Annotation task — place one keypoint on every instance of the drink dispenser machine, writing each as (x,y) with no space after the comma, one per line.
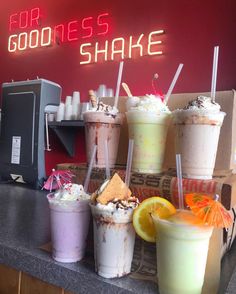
(22,129)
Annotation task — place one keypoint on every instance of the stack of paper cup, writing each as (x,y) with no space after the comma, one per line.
(68,108)
(103,91)
(110,92)
(68,100)
(84,107)
(60,112)
(76,97)
(75,105)
(71,109)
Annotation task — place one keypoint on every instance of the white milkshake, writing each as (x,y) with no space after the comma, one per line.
(197,135)
(114,235)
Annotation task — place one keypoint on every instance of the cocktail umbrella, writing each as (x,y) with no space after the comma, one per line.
(57,179)
(210,210)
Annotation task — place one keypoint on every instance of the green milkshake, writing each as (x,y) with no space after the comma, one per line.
(182,247)
(148,122)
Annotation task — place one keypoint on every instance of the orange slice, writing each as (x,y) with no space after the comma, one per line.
(142,219)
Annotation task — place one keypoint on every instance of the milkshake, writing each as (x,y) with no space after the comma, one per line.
(148,122)
(69,216)
(102,123)
(197,134)
(114,236)
(182,248)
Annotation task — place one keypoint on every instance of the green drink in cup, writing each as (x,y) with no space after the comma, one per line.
(148,124)
(148,120)
(182,248)
(182,239)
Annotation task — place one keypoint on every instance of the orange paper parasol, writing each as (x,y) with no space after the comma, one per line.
(211,211)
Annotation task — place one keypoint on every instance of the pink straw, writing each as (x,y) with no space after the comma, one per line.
(87,179)
(179,181)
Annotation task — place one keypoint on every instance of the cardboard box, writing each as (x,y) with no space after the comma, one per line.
(226,155)
(165,185)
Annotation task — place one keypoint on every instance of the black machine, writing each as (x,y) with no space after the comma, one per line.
(22,129)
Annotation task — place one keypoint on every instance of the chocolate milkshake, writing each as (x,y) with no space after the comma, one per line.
(102,123)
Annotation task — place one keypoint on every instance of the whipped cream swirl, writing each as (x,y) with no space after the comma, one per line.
(203,103)
(151,103)
(69,192)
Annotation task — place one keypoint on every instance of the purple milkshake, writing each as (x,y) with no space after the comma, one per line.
(69,215)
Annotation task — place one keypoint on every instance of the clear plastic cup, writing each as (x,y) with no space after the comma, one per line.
(149,132)
(69,229)
(98,128)
(182,250)
(197,137)
(114,239)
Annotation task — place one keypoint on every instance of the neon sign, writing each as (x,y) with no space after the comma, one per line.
(26,32)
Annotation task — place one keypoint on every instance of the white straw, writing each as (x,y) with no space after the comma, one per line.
(214,72)
(47,134)
(179,181)
(87,179)
(129,162)
(108,174)
(118,83)
(173,83)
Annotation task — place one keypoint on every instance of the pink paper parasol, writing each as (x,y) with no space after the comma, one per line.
(57,179)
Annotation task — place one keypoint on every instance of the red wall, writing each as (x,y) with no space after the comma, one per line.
(192,29)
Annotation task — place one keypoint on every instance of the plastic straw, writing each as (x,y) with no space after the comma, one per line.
(108,174)
(214,72)
(118,83)
(129,162)
(127,89)
(47,134)
(179,181)
(87,179)
(173,83)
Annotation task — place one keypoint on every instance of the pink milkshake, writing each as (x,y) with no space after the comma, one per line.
(69,215)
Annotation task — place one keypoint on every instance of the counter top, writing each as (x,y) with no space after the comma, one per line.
(24,228)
